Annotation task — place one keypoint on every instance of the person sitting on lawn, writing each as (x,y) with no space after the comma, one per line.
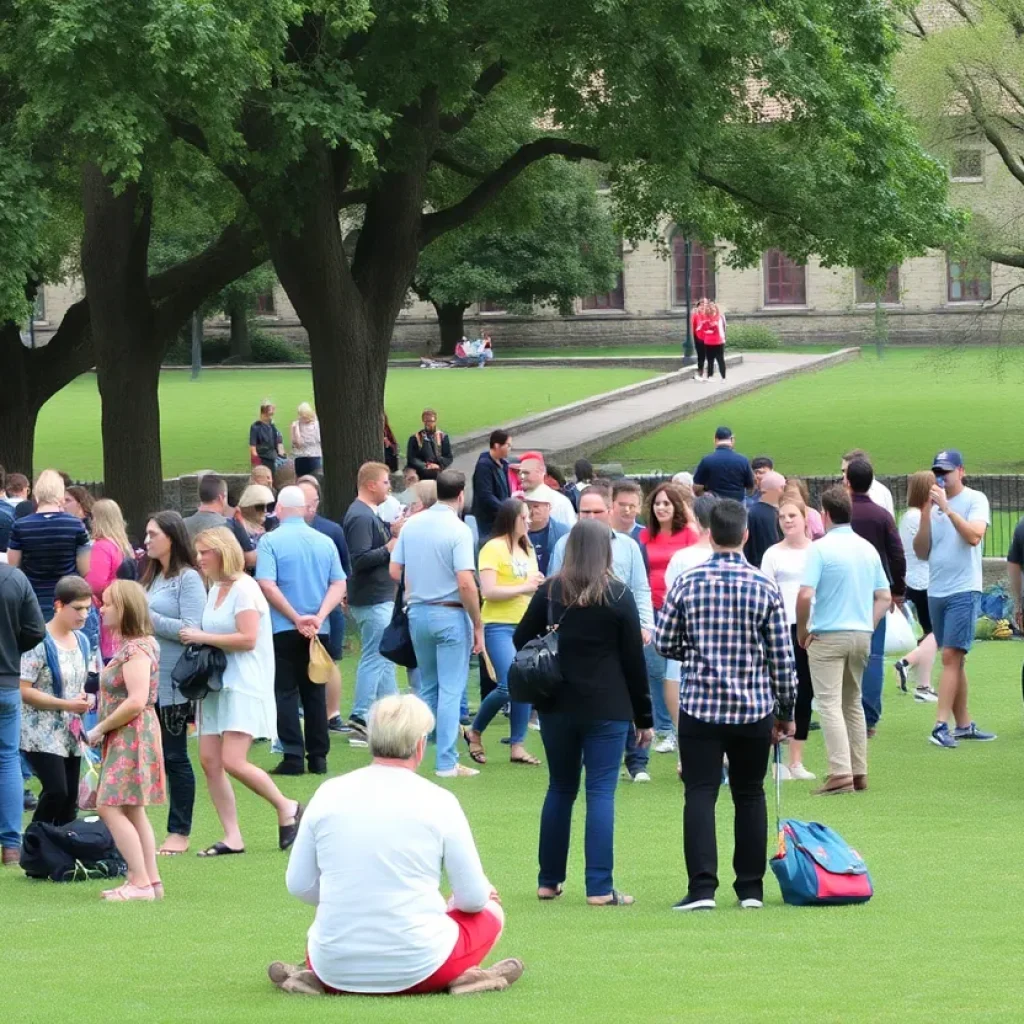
(369,854)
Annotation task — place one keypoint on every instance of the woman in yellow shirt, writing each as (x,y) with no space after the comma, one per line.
(509,576)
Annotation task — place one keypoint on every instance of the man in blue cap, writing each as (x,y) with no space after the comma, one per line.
(951,539)
(724,472)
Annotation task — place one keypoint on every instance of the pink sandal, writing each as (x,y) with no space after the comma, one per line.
(129,892)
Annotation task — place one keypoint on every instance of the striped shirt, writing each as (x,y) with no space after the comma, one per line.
(49,543)
(726,622)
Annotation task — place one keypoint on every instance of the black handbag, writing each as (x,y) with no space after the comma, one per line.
(535,673)
(396,640)
(198,671)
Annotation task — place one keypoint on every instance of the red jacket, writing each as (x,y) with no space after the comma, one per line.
(709,329)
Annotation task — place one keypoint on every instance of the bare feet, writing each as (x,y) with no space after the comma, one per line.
(299,981)
(487,979)
(173,845)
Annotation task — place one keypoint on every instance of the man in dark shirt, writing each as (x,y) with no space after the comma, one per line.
(878,528)
(265,442)
(490,482)
(544,531)
(430,450)
(763,528)
(371,591)
(760,465)
(212,512)
(724,472)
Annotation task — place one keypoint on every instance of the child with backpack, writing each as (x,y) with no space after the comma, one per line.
(54,675)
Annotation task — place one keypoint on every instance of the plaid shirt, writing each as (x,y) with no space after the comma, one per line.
(726,623)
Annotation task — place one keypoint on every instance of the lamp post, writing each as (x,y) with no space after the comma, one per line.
(688,354)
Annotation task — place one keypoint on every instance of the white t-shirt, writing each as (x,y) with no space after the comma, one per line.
(786,567)
(954,566)
(684,560)
(248,672)
(881,495)
(917,570)
(368,856)
(390,509)
(562,510)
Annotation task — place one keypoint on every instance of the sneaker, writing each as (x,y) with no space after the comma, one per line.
(902,671)
(752,904)
(460,771)
(972,732)
(926,695)
(338,724)
(782,772)
(357,726)
(535,724)
(799,773)
(693,904)
(357,741)
(640,777)
(942,737)
(667,745)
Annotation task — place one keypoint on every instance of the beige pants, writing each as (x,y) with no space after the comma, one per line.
(837,663)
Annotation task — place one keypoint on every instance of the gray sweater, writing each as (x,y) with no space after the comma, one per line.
(174,603)
(367,538)
(21,624)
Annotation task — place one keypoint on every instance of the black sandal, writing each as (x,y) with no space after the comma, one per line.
(556,892)
(286,833)
(619,899)
(219,850)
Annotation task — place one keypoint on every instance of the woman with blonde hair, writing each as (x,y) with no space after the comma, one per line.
(306,449)
(112,558)
(49,544)
(237,620)
(254,505)
(132,772)
(798,491)
(922,658)
(713,336)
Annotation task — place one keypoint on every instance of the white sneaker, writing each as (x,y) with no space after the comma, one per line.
(782,773)
(357,741)
(667,745)
(925,695)
(641,777)
(535,724)
(800,773)
(460,771)
(752,904)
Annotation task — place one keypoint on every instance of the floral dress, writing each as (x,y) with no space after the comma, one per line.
(132,773)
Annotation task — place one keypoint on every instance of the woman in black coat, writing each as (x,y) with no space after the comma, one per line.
(604,694)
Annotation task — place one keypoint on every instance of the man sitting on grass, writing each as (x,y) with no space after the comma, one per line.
(369,855)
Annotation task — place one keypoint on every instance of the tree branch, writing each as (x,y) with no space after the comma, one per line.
(490,78)
(984,122)
(757,204)
(1006,259)
(453,163)
(433,225)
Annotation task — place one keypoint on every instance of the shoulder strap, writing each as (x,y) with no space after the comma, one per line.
(84,646)
(53,664)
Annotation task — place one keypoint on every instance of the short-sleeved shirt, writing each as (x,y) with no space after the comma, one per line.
(201,520)
(513,568)
(726,473)
(49,543)
(845,571)
(49,732)
(434,546)
(1016,552)
(303,563)
(954,566)
(265,438)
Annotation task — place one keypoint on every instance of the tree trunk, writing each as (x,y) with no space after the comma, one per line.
(450,321)
(241,343)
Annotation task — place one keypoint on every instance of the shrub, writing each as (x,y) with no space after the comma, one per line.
(752,338)
(273,348)
(266,348)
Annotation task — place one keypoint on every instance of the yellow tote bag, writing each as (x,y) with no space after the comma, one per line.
(321,664)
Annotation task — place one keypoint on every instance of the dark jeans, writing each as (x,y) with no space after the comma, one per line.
(873,678)
(804,690)
(701,350)
(716,353)
(308,465)
(58,802)
(572,744)
(701,746)
(291,685)
(637,757)
(181,780)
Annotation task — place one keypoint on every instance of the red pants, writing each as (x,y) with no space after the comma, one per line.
(478,934)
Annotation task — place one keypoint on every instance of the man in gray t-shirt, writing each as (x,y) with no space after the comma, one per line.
(213,503)
(950,539)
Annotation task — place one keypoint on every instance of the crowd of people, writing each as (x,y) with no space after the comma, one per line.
(709,619)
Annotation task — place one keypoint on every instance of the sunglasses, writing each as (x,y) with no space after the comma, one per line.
(258,508)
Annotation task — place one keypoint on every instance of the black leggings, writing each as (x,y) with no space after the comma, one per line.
(919,599)
(701,354)
(58,802)
(804,689)
(716,353)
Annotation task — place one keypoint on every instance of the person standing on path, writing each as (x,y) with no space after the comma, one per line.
(429,451)
(371,592)
(951,538)
(878,528)
(300,573)
(266,445)
(490,482)
(724,472)
(846,583)
(763,530)
(713,334)
(435,551)
(726,623)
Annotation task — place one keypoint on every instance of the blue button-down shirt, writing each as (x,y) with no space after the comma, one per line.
(303,563)
(433,546)
(845,571)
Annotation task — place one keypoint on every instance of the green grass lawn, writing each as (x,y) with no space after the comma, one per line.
(205,423)
(901,409)
(939,830)
(639,349)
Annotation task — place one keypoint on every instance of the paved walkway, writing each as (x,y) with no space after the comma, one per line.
(581,434)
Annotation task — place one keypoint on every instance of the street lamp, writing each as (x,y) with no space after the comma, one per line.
(688,354)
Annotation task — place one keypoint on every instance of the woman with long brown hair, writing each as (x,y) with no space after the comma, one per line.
(604,693)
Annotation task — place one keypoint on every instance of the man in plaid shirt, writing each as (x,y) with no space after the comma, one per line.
(725,621)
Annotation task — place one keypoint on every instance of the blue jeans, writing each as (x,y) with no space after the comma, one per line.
(637,757)
(443,640)
(11,784)
(375,675)
(572,744)
(656,678)
(498,637)
(874,677)
(413,675)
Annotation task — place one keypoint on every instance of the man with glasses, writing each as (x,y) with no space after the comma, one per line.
(212,512)
(951,539)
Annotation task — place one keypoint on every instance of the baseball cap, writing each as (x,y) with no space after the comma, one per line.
(543,495)
(947,460)
(723,434)
(291,497)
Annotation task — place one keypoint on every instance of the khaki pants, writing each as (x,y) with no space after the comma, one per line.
(837,663)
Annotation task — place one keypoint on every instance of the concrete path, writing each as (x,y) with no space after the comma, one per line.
(579,434)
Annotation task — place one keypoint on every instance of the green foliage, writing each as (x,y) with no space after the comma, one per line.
(266,348)
(753,338)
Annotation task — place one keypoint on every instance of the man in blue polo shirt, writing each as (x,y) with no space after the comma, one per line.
(724,473)
(299,571)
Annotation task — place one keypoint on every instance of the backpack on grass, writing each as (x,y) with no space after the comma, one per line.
(81,850)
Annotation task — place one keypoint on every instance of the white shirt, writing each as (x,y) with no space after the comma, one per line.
(562,510)
(786,567)
(684,560)
(368,856)
(389,509)
(248,672)
(881,495)
(917,570)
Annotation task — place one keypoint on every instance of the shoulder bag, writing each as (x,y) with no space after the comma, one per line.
(198,671)
(535,673)
(396,640)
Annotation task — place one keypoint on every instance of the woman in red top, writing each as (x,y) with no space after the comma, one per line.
(697,319)
(669,527)
(713,335)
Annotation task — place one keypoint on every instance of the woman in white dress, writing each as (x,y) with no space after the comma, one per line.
(237,620)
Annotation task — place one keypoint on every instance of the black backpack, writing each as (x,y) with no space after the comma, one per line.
(80,850)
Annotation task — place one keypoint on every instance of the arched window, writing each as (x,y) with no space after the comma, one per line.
(785,281)
(702,271)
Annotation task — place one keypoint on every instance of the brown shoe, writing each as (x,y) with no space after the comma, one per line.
(835,784)
(860,783)
(11,856)
(871,732)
